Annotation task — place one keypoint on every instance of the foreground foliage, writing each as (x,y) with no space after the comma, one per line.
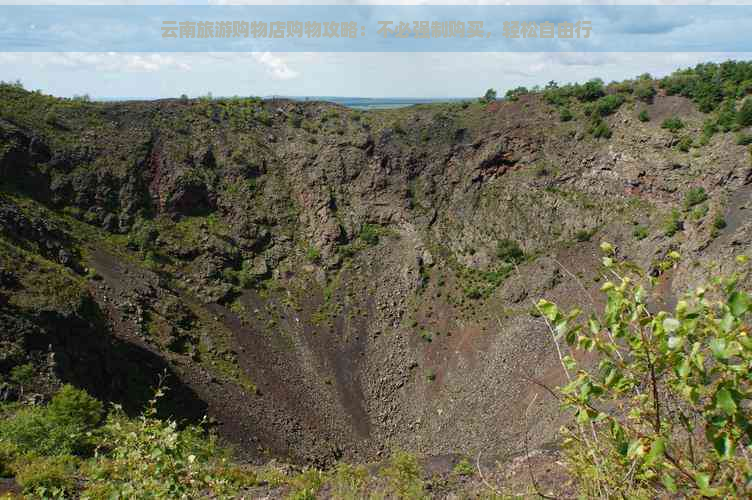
(52,450)
(68,448)
(666,410)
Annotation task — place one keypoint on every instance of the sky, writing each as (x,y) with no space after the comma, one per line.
(404,74)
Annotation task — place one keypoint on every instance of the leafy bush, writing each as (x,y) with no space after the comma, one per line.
(47,477)
(509,251)
(313,254)
(695,196)
(673,124)
(71,406)
(590,91)
(370,234)
(489,96)
(719,222)
(32,430)
(404,474)
(608,104)
(464,468)
(684,144)
(644,90)
(673,224)
(599,129)
(640,233)
(565,115)
(699,212)
(264,118)
(514,94)
(584,235)
(8,454)
(665,411)
(643,116)
(150,458)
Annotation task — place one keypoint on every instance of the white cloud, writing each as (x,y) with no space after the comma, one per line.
(275,65)
(107,61)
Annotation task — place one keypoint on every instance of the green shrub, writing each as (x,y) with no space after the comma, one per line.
(609,104)
(640,233)
(151,458)
(404,474)
(643,116)
(349,481)
(307,484)
(684,144)
(673,224)
(719,222)
(264,118)
(313,254)
(464,468)
(584,235)
(565,115)
(673,124)
(47,477)
(695,196)
(489,96)
(590,91)
(370,234)
(514,94)
(665,404)
(699,212)
(599,129)
(32,430)
(644,90)
(509,251)
(61,428)
(8,454)
(71,406)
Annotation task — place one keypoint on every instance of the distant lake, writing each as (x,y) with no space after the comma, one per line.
(380,102)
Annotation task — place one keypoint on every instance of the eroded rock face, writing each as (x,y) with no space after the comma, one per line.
(326,283)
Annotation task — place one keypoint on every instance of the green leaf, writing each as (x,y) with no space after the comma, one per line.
(724,401)
(720,349)
(724,446)
(549,310)
(569,362)
(675,343)
(682,368)
(738,303)
(669,483)
(657,449)
(595,327)
(702,480)
(636,449)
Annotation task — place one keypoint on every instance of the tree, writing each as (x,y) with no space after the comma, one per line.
(663,411)
(490,95)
